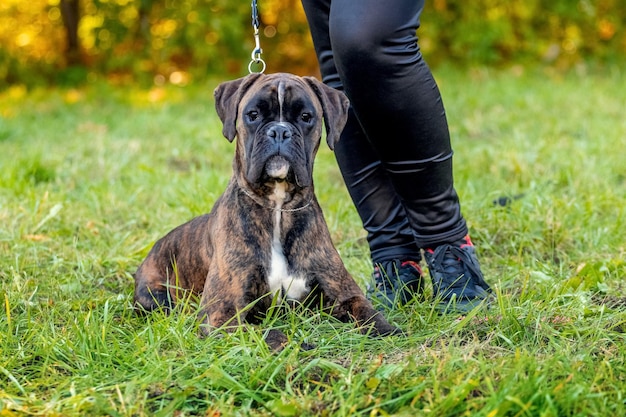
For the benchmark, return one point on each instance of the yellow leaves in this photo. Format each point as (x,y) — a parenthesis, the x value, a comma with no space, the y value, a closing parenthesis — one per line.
(87,29)
(54,14)
(573,38)
(32,32)
(5,412)
(26,29)
(179,78)
(440,5)
(23,39)
(72,96)
(606,30)
(16,92)
(156,95)
(211,38)
(563,383)
(275,11)
(495,13)
(128,16)
(192,17)
(164,28)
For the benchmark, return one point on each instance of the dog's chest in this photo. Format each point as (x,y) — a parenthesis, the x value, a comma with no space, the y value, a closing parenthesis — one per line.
(281,281)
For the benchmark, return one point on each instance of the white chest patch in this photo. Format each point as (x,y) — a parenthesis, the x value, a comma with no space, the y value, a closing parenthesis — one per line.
(280,281)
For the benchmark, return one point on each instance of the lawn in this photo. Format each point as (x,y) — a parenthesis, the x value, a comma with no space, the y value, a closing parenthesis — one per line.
(91,177)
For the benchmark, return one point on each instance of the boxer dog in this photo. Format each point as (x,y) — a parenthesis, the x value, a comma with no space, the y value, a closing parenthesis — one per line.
(266,236)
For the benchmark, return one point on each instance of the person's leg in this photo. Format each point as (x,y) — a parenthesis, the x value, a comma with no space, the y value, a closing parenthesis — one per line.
(378,205)
(398,104)
(393,249)
(397,276)
(369,48)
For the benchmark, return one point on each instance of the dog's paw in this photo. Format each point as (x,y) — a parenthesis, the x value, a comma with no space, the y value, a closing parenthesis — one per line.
(387,330)
(147,300)
(276,340)
(307,346)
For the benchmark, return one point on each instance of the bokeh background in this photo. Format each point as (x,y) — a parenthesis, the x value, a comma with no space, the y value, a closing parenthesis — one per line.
(159,41)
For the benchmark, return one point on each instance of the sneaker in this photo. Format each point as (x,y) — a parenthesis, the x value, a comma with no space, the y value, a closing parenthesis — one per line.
(458,283)
(395,283)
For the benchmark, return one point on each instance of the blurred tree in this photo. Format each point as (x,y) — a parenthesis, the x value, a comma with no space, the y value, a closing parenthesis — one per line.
(555,32)
(285,37)
(45,41)
(31,41)
(71,16)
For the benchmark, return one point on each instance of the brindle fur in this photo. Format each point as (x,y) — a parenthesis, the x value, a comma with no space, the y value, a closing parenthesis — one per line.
(226,255)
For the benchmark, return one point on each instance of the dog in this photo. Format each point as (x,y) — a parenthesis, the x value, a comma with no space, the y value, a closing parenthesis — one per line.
(266,235)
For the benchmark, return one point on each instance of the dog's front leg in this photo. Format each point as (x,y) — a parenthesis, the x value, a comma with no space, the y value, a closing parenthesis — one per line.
(229,298)
(368,319)
(229,312)
(222,310)
(220,314)
(347,300)
(228,301)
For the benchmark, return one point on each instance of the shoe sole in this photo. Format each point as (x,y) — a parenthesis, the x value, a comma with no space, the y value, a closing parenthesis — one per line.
(463,307)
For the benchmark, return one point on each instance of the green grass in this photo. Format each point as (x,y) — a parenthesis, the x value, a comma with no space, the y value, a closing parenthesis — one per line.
(90,178)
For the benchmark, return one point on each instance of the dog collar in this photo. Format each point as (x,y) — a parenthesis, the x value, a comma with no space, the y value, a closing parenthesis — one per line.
(282,210)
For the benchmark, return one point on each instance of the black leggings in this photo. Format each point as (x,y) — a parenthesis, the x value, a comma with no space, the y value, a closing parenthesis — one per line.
(394,154)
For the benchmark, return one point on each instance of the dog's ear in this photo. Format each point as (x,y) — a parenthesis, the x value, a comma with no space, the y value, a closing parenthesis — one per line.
(227,97)
(335,105)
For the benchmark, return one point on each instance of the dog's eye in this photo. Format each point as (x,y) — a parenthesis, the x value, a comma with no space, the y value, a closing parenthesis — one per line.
(306,117)
(253,115)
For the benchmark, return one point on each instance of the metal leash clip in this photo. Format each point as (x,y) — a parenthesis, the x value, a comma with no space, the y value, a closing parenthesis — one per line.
(257,51)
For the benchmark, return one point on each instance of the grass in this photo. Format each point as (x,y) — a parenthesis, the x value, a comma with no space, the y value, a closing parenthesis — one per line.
(90,178)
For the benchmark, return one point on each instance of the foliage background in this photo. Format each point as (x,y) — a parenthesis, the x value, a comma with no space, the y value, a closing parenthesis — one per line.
(90,177)
(178,40)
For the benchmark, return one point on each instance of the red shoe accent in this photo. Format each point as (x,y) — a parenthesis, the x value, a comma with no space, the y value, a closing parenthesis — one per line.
(468,242)
(414,265)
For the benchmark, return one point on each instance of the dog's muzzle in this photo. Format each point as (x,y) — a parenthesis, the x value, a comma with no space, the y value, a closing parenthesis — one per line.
(278,154)
(278,135)
(277,167)
(279,132)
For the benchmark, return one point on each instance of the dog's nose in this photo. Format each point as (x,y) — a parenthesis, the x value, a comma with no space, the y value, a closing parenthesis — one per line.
(279,133)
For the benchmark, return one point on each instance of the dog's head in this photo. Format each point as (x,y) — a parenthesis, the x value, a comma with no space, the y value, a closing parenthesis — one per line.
(277,120)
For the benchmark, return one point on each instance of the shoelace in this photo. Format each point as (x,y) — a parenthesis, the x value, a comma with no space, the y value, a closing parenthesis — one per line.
(387,272)
(453,261)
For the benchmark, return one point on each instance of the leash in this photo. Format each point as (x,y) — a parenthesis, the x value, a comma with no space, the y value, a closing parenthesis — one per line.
(257,51)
